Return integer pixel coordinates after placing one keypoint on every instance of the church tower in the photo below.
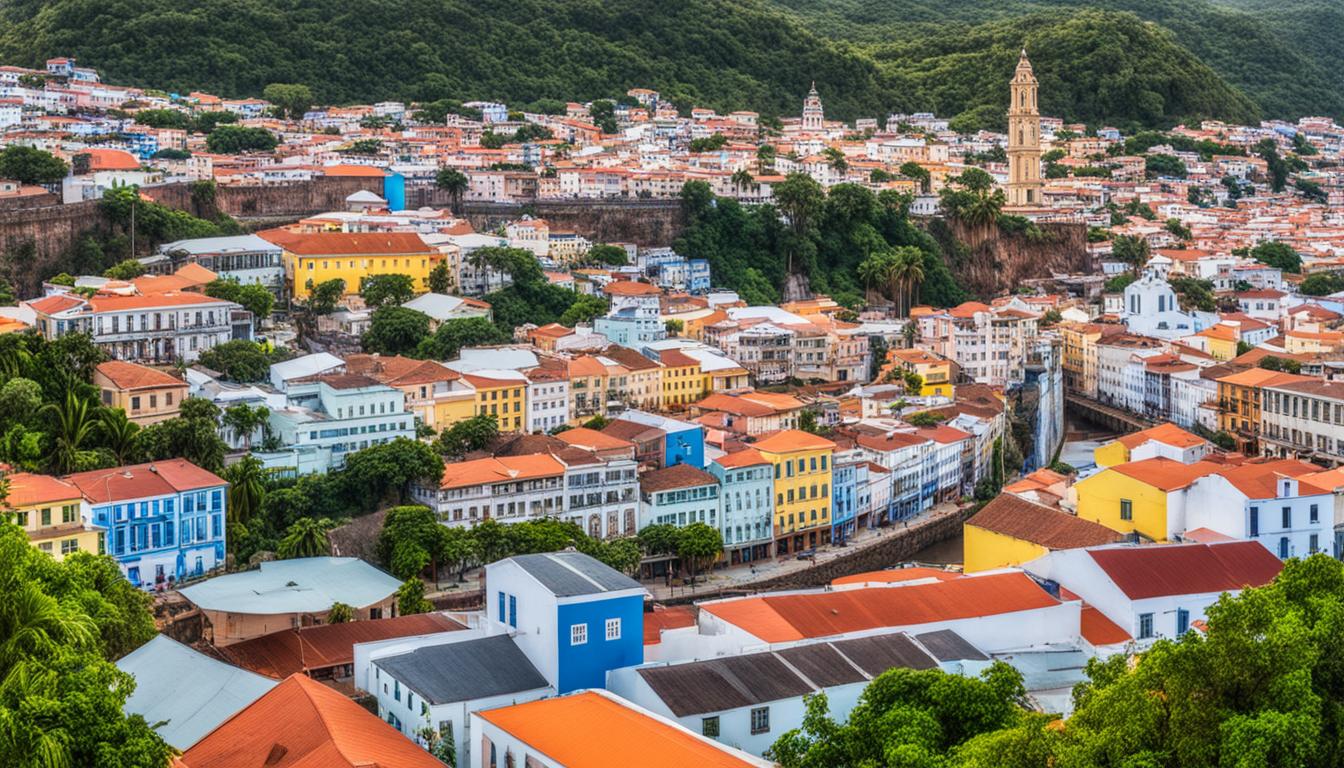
(812, 113)
(1024, 139)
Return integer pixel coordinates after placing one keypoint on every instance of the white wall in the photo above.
(536, 631)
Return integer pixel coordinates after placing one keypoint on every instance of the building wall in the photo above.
(586, 665)
(1099, 498)
(142, 406)
(536, 633)
(507, 403)
(61, 531)
(352, 268)
(795, 517)
(985, 550)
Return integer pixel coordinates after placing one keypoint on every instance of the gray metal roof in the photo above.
(304, 585)
(947, 645)
(717, 685)
(187, 691)
(567, 574)
(465, 671)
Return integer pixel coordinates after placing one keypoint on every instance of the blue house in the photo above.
(683, 442)
(844, 498)
(574, 617)
(699, 280)
(164, 519)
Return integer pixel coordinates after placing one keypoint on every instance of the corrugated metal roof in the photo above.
(878, 653)
(1187, 569)
(822, 664)
(947, 645)
(567, 574)
(465, 671)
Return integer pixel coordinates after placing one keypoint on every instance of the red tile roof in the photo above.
(1187, 569)
(26, 489)
(347, 243)
(124, 375)
(1099, 630)
(788, 440)
(1167, 433)
(675, 476)
(281, 654)
(1165, 474)
(780, 618)
(895, 575)
(301, 723)
(661, 618)
(156, 478)
(1015, 517)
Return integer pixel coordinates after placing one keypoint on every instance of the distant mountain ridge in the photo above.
(1098, 63)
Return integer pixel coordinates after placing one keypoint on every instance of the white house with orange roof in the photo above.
(1165, 440)
(508, 489)
(1275, 503)
(159, 328)
(633, 319)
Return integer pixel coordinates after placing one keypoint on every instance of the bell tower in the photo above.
(813, 116)
(1024, 138)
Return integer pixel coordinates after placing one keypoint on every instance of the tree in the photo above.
(325, 294)
(28, 165)
(914, 383)
(243, 420)
(252, 297)
(387, 470)
(440, 279)
(452, 335)
(390, 289)
(411, 598)
(674, 327)
(238, 360)
(125, 270)
(584, 309)
(72, 425)
(467, 435)
(340, 613)
(194, 436)
(1278, 169)
(455, 183)
(61, 624)
(607, 255)
(293, 100)
(1178, 229)
(306, 537)
(1277, 254)
(236, 139)
(765, 158)
(800, 199)
(247, 488)
(117, 434)
(1131, 250)
(1164, 166)
(395, 330)
(917, 173)
(1321, 284)
(699, 545)
(411, 539)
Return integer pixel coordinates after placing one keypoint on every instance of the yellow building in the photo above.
(935, 372)
(315, 258)
(1080, 354)
(502, 394)
(802, 468)
(437, 395)
(48, 509)
(683, 382)
(147, 395)
(1010, 531)
(1167, 440)
(1220, 341)
(1136, 497)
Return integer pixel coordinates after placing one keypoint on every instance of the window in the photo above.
(501, 607)
(513, 611)
(1314, 543)
(1182, 621)
(1126, 509)
(1287, 518)
(1255, 521)
(613, 629)
(72, 545)
(760, 720)
(578, 634)
(1283, 547)
(709, 726)
(1145, 626)
(1315, 516)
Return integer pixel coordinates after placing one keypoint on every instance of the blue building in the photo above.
(142, 145)
(845, 494)
(394, 191)
(683, 441)
(164, 520)
(747, 482)
(574, 617)
(699, 280)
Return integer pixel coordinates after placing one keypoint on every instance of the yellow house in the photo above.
(1010, 531)
(437, 395)
(48, 509)
(502, 394)
(683, 382)
(802, 469)
(934, 371)
(1144, 497)
(147, 395)
(317, 257)
(1220, 341)
(1166, 440)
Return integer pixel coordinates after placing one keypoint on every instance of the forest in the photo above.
(1096, 66)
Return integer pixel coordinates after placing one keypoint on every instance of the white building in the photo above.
(1265, 503)
(329, 417)
(159, 327)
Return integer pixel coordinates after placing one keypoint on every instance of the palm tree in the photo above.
(242, 420)
(246, 488)
(910, 261)
(73, 426)
(871, 269)
(306, 537)
(14, 360)
(455, 183)
(743, 180)
(118, 434)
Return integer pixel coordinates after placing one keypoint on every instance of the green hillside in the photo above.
(727, 54)
(1286, 56)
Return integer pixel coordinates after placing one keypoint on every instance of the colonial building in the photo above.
(1024, 138)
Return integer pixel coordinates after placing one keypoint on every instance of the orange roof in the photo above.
(26, 489)
(499, 470)
(894, 576)
(124, 375)
(347, 243)
(777, 400)
(51, 305)
(354, 170)
(661, 618)
(1167, 433)
(630, 288)
(170, 299)
(111, 160)
(301, 723)
(156, 478)
(1165, 474)
(1261, 377)
(744, 458)
(1259, 481)
(779, 618)
(790, 440)
(584, 437)
(1099, 630)
(593, 730)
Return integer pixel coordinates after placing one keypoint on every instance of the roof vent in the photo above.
(126, 474)
(277, 754)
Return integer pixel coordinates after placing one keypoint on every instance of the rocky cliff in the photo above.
(988, 261)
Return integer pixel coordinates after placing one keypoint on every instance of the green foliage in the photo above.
(1278, 168)
(207, 122)
(396, 330)
(380, 290)
(239, 360)
(411, 598)
(1321, 284)
(584, 309)
(194, 436)
(1277, 254)
(340, 613)
(411, 539)
(709, 144)
(607, 255)
(61, 625)
(440, 279)
(1194, 293)
(1132, 250)
(154, 223)
(925, 419)
(384, 472)
(236, 139)
(1273, 363)
(1164, 166)
(291, 99)
(1178, 229)
(467, 435)
(1118, 283)
(254, 298)
(452, 335)
(28, 165)
(306, 537)
(128, 269)
(322, 300)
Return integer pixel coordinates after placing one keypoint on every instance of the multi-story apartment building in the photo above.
(248, 259)
(1304, 419)
(1239, 399)
(802, 473)
(156, 328)
(601, 492)
(327, 417)
(502, 394)
(317, 257)
(746, 480)
(436, 395)
(633, 319)
(50, 511)
(1080, 354)
(509, 489)
(164, 520)
(1120, 380)
(764, 349)
(679, 495)
(547, 398)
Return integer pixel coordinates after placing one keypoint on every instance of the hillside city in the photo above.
(620, 433)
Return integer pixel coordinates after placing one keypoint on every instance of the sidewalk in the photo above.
(738, 576)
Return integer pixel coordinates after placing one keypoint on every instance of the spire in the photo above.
(813, 90)
(1022, 61)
